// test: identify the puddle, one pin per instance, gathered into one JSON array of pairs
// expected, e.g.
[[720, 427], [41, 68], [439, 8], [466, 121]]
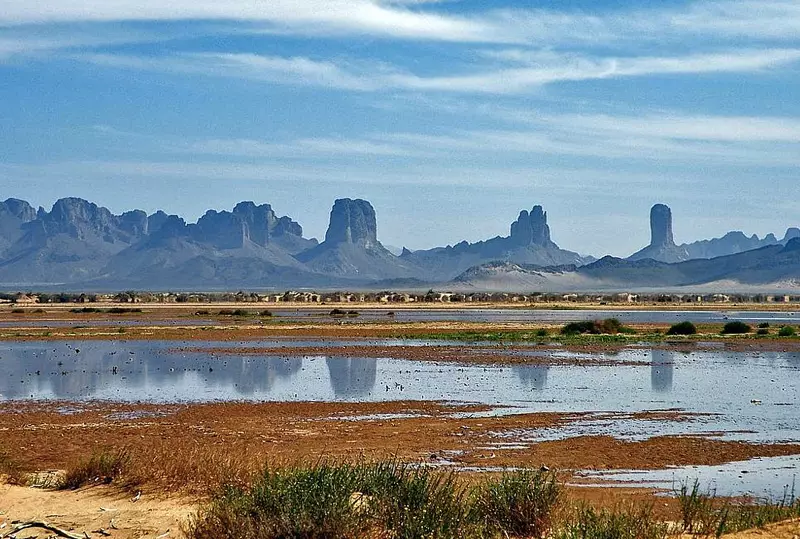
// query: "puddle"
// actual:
[[767, 477]]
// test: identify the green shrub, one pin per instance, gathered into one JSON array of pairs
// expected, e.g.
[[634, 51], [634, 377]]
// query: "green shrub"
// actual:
[[265, 312], [736, 327], [518, 504], [595, 327], [18, 311], [541, 332], [337, 312], [787, 331], [240, 312], [763, 325], [682, 328], [762, 331], [225, 312]]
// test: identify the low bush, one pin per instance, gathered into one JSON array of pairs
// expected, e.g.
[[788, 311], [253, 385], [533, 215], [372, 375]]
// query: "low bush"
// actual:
[[265, 312], [103, 467], [763, 325], [337, 312], [736, 327], [762, 331], [240, 312], [18, 311], [541, 333], [787, 331], [609, 326], [225, 312], [682, 328]]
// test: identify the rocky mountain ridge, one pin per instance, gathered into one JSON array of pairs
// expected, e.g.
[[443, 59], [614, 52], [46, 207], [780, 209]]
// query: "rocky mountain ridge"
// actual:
[[79, 244]]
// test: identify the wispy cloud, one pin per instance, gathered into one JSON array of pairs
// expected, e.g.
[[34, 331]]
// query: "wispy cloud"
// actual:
[[668, 138], [373, 76]]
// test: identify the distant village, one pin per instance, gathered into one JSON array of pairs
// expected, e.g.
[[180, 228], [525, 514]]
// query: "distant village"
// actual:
[[389, 297]]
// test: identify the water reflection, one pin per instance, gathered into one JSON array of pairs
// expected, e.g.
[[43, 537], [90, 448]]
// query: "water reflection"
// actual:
[[534, 376], [67, 371], [662, 367], [352, 377]]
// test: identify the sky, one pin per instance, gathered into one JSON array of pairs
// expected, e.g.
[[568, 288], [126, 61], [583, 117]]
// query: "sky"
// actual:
[[450, 116]]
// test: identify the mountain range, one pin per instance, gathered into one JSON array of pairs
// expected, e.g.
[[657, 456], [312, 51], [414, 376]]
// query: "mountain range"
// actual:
[[80, 245]]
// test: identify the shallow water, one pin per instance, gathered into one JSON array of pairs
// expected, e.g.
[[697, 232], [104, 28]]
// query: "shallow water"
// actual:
[[749, 396], [766, 477]]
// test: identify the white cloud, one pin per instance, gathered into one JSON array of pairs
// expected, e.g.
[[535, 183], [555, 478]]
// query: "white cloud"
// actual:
[[301, 16], [416, 19]]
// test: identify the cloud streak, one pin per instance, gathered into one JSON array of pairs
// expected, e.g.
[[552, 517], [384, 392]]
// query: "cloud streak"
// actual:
[[375, 76]]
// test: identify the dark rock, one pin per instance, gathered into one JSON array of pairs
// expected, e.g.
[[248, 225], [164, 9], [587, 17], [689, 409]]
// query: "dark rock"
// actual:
[[222, 230], [662, 243], [19, 209], [531, 228], [352, 221], [156, 221], [661, 226]]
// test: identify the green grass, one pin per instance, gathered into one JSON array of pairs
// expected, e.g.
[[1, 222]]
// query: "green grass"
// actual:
[[518, 504], [384, 499], [705, 514], [621, 523]]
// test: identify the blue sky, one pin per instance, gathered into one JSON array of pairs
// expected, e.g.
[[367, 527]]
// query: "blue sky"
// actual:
[[449, 116]]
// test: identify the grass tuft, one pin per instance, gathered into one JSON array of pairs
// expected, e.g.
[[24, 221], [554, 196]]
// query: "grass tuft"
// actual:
[[519, 504], [101, 468], [622, 523], [705, 514]]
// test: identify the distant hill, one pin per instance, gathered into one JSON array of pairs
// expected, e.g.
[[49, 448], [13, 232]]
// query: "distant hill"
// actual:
[[528, 243], [79, 245], [775, 267], [662, 245]]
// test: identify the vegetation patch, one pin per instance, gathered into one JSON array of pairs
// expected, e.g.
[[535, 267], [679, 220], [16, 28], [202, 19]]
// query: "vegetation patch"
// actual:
[[787, 331], [609, 326], [634, 522], [383, 499], [736, 328], [101, 468], [704, 514], [682, 328]]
